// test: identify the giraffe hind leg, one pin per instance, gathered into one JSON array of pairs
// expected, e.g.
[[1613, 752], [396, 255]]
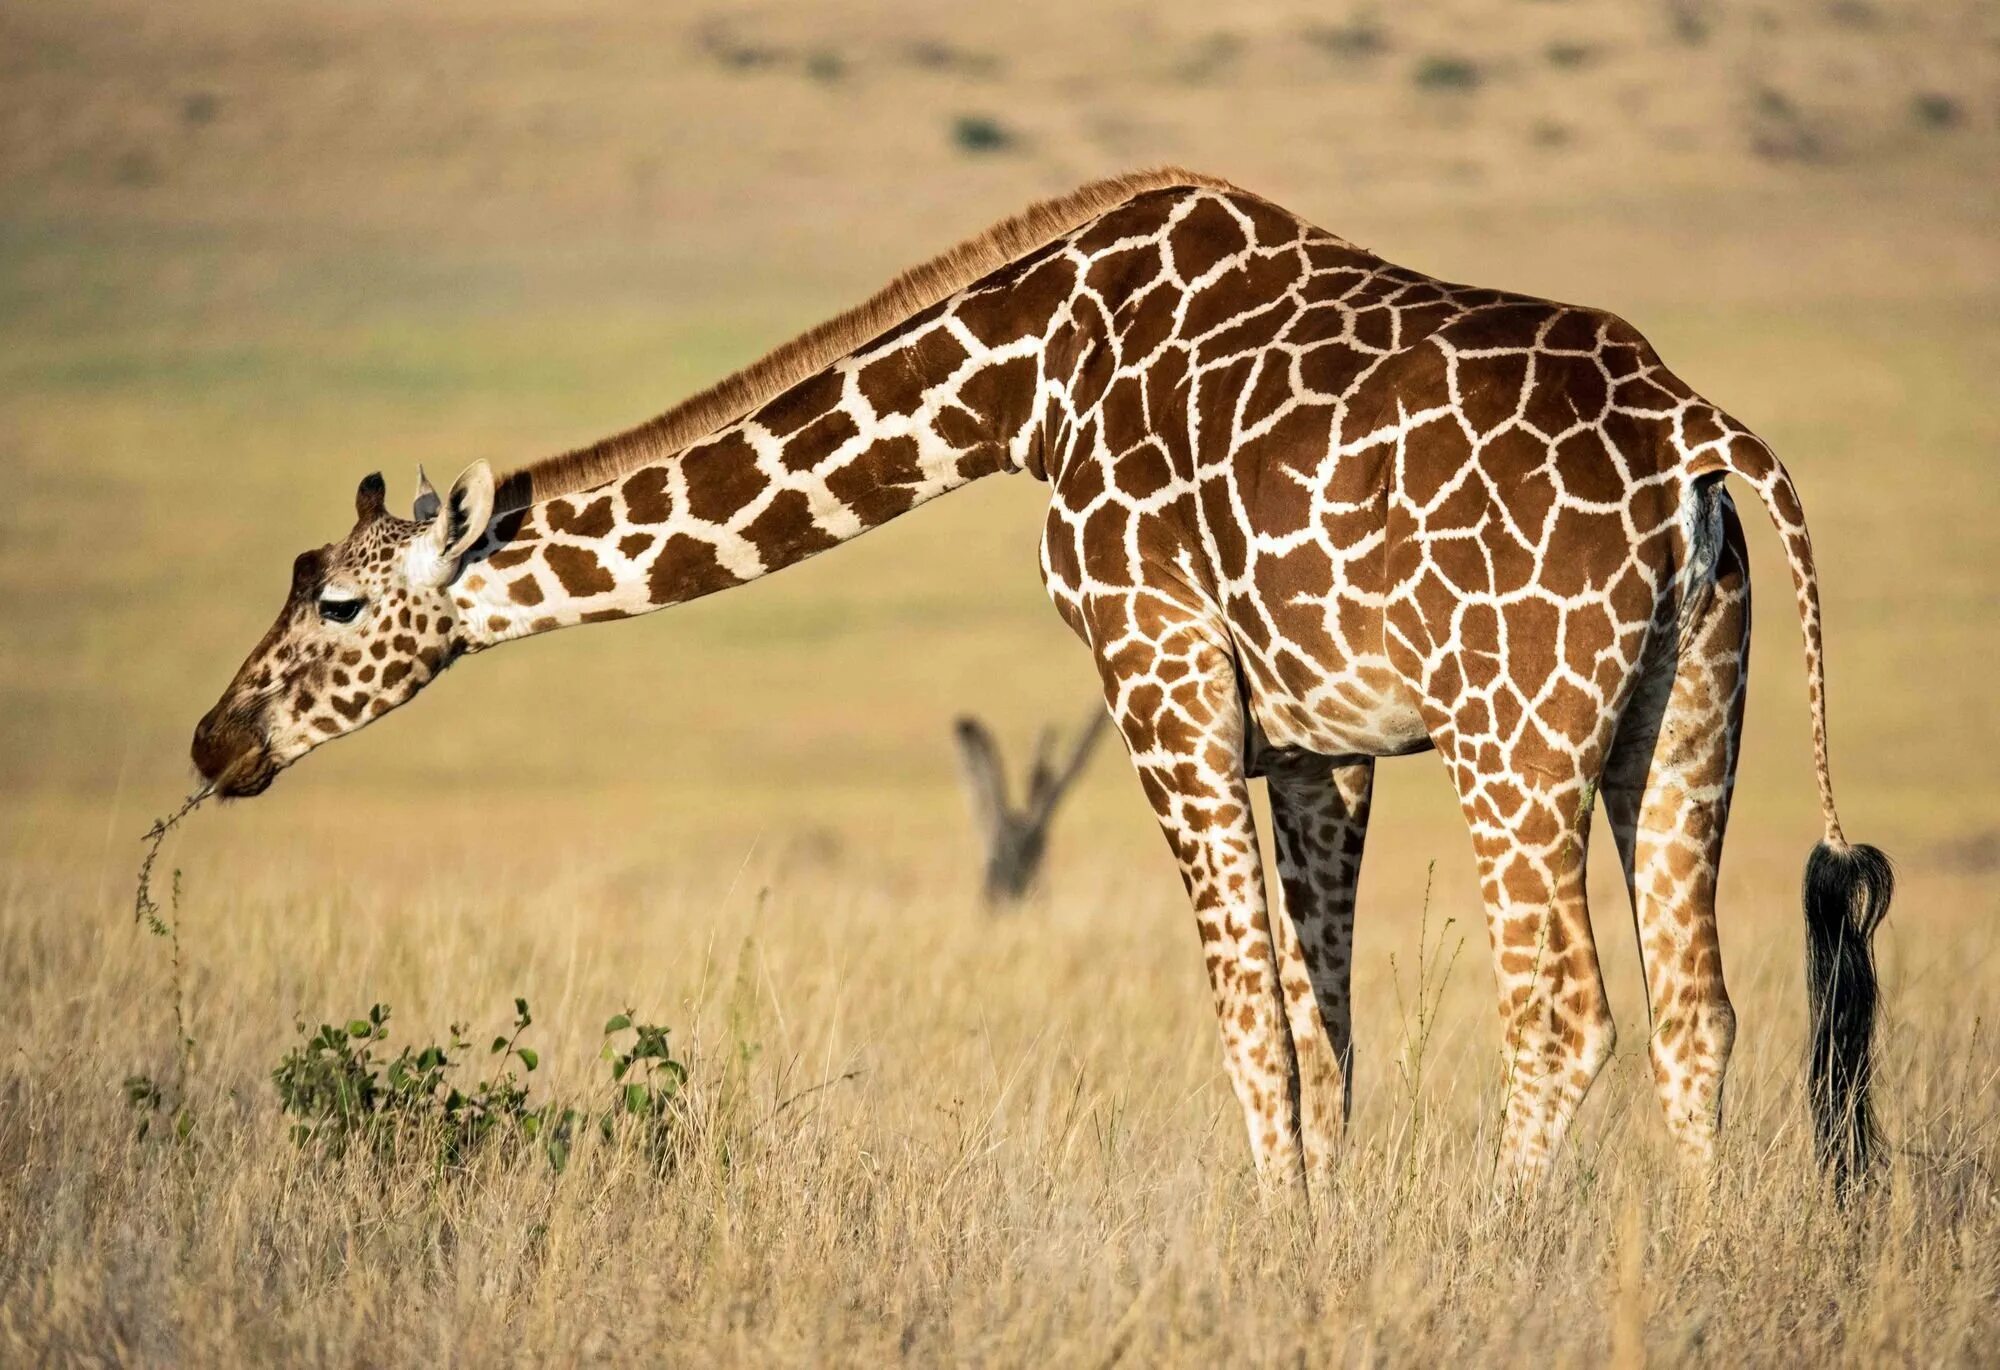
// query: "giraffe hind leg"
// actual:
[[1666, 792], [1526, 789], [1557, 1028]]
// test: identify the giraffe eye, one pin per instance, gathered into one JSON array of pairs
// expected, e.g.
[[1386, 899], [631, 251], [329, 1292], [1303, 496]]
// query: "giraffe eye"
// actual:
[[340, 610]]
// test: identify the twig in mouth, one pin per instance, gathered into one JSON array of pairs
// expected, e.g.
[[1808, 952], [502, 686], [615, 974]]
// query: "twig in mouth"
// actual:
[[143, 905]]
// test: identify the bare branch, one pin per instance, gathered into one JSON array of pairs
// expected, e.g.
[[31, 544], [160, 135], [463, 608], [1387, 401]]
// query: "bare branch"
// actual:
[[1079, 757], [985, 782]]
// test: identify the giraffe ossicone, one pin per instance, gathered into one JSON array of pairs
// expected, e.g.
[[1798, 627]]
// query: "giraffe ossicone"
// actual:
[[1307, 509]]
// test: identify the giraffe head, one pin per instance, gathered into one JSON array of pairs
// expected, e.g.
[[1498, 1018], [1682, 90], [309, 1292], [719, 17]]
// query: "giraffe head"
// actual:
[[368, 622]]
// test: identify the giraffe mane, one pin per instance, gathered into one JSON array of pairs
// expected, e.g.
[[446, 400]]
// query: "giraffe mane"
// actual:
[[812, 351]]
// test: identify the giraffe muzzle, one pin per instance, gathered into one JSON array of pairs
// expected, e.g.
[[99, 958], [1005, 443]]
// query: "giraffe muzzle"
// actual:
[[231, 755]]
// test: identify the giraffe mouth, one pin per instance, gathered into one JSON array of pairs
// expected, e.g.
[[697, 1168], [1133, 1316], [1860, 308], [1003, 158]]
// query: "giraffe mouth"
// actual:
[[250, 774]]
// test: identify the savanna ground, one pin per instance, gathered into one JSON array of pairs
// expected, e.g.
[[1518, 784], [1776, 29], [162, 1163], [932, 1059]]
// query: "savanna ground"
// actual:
[[249, 253]]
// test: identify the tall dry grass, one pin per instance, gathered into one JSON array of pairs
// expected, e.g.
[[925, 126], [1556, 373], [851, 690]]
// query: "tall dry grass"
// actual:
[[917, 1133]]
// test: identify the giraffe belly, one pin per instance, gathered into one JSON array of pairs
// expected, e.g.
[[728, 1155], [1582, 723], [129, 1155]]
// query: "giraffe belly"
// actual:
[[1363, 708]]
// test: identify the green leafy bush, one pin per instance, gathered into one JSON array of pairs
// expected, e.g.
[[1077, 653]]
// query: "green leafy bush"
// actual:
[[647, 1083], [343, 1090]]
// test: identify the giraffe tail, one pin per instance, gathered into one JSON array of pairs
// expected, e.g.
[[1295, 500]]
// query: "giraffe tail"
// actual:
[[1847, 887]]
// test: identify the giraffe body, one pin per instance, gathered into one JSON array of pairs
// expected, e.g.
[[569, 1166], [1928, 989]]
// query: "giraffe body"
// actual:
[[1308, 509]]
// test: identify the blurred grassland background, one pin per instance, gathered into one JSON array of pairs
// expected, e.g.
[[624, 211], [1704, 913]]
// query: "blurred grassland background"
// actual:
[[250, 253]]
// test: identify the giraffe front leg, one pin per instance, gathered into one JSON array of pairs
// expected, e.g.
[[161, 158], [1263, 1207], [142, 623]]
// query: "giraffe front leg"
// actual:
[[1319, 813], [1171, 686]]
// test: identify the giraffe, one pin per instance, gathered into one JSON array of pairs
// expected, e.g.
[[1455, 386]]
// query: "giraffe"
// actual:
[[1307, 510]]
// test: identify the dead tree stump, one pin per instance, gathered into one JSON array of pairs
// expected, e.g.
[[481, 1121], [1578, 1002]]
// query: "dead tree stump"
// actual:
[[1016, 839]]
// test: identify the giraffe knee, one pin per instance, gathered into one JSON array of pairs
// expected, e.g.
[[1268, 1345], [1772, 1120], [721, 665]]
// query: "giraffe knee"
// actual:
[[1563, 1040]]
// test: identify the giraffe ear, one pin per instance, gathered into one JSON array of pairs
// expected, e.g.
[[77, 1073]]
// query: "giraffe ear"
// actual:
[[458, 523], [368, 498], [426, 507]]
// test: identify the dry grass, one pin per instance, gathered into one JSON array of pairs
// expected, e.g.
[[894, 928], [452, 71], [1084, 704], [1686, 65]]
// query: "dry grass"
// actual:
[[1035, 1162], [247, 255]]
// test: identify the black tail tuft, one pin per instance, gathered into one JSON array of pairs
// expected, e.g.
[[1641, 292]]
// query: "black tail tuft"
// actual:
[[1847, 892]]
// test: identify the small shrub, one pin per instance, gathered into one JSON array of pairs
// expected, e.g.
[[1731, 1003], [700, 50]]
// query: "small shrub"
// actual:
[[1353, 39], [1447, 73], [149, 1100], [930, 54], [825, 66], [1689, 21], [737, 54], [136, 167], [1570, 55], [1780, 130], [1775, 104], [1933, 110], [344, 1092], [646, 1083], [977, 133]]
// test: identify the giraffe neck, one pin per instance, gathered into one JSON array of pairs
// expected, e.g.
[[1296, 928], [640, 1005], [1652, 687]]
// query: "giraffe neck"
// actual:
[[930, 407]]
